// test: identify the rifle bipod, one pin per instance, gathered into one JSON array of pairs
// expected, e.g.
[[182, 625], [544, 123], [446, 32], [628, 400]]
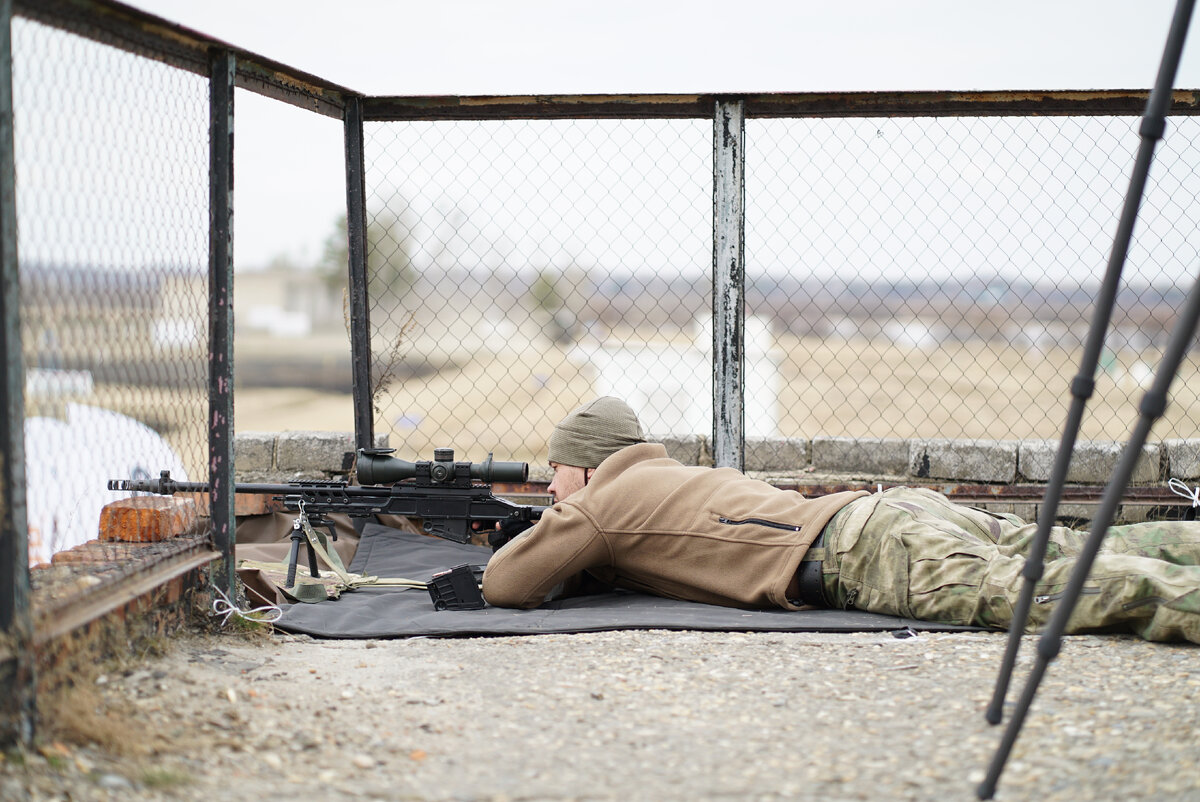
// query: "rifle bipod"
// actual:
[[298, 535]]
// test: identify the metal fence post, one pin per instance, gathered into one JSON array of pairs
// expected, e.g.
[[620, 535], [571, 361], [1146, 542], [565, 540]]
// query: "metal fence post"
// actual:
[[220, 313], [17, 660], [729, 280], [360, 320]]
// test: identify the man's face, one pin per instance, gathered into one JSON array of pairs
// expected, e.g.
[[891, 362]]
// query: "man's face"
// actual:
[[568, 479]]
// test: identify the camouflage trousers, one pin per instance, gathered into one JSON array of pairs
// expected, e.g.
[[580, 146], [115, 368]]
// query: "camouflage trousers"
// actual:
[[912, 552]]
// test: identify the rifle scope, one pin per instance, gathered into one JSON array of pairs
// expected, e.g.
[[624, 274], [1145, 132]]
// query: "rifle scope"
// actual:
[[376, 468]]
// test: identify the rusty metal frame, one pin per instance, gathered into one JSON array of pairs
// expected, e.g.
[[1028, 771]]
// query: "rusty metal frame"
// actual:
[[1156, 497], [153, 37], [729, 283], [145, 34], [1031, 103], [83, 608], [356, 250], [18, 680], [220, 315]]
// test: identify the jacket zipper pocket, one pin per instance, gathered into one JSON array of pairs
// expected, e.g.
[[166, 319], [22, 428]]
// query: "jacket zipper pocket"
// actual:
[[1056, 596], [760, 522]]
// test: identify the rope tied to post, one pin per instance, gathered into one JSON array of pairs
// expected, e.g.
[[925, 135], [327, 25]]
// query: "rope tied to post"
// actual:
[[223, 607], [1181, 489]]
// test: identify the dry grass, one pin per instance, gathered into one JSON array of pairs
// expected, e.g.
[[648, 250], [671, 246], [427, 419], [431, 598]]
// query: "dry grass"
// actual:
[[79, 714], [968, 390], [506, 401], [856, 389]]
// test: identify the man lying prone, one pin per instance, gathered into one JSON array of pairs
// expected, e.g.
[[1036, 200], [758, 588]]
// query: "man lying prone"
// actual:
[[627, 516]]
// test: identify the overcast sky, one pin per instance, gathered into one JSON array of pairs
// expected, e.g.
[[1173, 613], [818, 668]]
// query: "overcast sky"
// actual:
[[463, 47], [544, 46]]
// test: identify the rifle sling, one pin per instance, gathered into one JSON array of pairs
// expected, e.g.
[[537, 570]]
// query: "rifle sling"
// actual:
[[309, 591]]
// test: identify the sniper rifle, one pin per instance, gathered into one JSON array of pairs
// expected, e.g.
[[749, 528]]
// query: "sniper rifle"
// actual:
[[447, 496]]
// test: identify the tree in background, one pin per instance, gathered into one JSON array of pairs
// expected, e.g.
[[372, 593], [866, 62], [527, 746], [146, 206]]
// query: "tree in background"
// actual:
[[390, 247], [561, 296]]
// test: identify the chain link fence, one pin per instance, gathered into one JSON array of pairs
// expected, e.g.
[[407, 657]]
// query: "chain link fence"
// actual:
[[934, 277], [520, 267], [112, 196], [908, 277]]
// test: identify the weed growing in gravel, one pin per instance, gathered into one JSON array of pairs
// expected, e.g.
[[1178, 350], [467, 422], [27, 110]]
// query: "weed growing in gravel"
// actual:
[[80, 715], [245, 626], [163, 778]]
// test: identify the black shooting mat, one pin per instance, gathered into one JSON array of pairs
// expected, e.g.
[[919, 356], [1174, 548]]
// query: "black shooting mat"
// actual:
[[399, 613]]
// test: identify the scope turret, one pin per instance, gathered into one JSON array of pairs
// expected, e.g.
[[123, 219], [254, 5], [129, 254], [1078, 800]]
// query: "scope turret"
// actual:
[[374, 467]]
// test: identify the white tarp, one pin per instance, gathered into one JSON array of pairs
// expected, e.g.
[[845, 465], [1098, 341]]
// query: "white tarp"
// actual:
[[68, 463]]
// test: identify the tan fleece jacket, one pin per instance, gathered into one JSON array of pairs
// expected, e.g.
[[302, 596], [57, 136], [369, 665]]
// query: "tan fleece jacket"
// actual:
[[647, 523]]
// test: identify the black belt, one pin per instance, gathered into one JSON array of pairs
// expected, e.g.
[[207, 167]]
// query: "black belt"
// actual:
[[809, 577]]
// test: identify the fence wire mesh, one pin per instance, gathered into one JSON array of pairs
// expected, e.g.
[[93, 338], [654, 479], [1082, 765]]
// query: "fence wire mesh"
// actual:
[[519, 268], [905, 277], [931, 278], [112, 199]]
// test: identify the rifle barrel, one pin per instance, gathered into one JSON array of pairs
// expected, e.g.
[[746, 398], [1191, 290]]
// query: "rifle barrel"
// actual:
[[166, 486]]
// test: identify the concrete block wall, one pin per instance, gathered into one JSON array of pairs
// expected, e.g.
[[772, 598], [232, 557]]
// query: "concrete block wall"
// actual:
[[933, 462], [317, 455], [981, 461], [294, 456]]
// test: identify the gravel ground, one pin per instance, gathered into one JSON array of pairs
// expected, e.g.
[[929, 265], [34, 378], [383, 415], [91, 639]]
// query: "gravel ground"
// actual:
[[637, 715]]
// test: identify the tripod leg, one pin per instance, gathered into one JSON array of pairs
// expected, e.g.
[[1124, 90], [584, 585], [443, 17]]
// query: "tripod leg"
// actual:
[[1151, 130], [1153, 404], [1035, 559]]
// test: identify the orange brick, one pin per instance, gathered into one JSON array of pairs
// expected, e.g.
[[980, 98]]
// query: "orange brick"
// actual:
[[146, 518], [75, 555]]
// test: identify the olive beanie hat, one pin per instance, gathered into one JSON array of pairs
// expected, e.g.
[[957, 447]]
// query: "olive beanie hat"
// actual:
[[594, 431]]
